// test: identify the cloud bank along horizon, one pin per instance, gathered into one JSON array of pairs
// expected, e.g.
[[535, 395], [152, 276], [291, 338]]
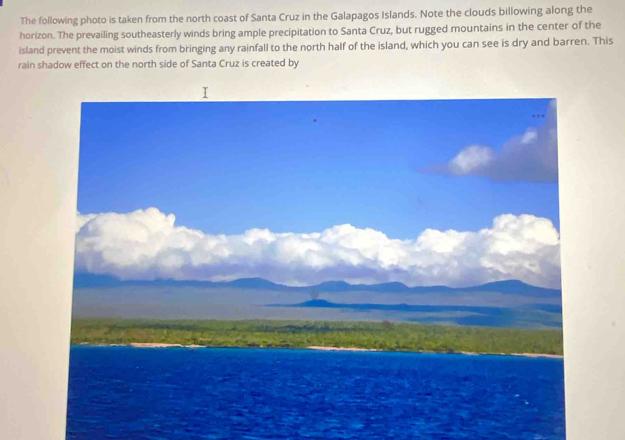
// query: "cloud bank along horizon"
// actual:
[[147, 244]]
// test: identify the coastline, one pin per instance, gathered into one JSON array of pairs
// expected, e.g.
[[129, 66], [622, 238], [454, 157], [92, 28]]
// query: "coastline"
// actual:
[[323, 348]]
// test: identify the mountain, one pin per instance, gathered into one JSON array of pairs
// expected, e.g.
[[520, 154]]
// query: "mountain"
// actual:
[[321, 303], [512, 287], [394, 287], [312, 303], [87, 280], [333, 286], [255, 283], [530, 315]]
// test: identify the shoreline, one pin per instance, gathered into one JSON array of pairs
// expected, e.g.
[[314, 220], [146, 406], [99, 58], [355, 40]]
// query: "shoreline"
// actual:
[[322, 348]]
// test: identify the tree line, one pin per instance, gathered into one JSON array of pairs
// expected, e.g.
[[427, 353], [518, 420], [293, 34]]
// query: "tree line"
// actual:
[[385, 335]]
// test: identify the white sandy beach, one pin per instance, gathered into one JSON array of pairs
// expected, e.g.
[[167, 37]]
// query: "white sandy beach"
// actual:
[[316, 347], [161, 345]]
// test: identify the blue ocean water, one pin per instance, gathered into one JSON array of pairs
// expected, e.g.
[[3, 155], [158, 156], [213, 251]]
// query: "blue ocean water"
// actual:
[[182, 393]]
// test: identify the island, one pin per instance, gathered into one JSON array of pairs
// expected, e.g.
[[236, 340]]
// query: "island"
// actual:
[[329, 335]]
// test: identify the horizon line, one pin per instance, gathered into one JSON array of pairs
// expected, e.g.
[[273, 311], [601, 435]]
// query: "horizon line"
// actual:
[[309, 286]]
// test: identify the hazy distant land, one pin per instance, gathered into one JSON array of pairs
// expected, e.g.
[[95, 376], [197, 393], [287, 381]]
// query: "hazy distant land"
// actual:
[[500, 304]]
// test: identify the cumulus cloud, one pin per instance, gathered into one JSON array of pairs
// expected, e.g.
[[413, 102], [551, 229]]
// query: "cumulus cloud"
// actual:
[[147, 244], [532, 156]]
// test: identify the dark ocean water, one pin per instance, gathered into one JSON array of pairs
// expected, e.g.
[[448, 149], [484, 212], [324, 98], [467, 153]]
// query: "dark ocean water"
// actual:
[[181, 393]]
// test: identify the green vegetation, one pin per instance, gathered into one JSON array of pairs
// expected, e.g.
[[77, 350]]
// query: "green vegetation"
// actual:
[[299, 334]]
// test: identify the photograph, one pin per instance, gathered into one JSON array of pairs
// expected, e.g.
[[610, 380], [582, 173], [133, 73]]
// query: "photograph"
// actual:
[[317, 270]]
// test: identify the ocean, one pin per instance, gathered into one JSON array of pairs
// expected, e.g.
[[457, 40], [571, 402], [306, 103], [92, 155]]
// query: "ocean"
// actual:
[[221, 393]]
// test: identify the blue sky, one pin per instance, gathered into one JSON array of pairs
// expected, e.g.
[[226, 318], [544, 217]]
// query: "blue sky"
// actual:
[[228, 167]]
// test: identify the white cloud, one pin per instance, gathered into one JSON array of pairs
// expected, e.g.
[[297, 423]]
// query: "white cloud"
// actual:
[[532, 156], [471, 159], [146, 244]]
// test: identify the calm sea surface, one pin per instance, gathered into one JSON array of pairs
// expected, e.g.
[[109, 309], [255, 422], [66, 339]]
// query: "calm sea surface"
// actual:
[[181, 393]]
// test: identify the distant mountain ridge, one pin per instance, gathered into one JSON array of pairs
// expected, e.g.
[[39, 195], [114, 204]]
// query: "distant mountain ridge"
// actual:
[[512, 287]]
